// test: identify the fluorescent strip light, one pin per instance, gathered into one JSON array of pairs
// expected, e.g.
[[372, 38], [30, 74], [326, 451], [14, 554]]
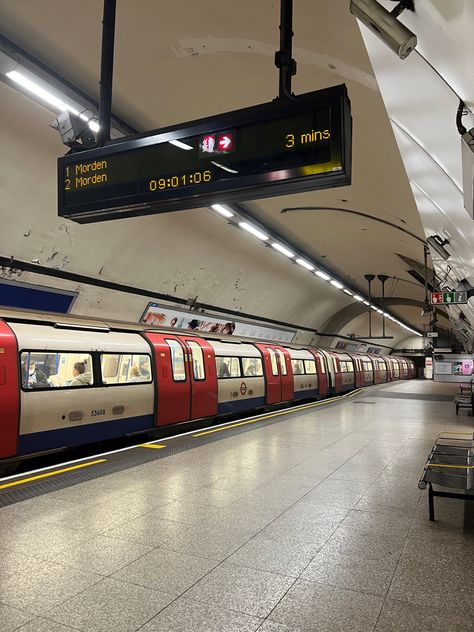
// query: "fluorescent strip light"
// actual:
[[283, 249], [374, 308], [253, 231], [323, 275], [366, 303], [222, 210], [218, 164], [36, 89], [358, 298], [94, 126], [180, 144], [348, 293], [336, 284], [379, 311], [305, 264]]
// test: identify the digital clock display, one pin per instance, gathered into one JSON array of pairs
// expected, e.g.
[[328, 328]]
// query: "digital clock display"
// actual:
[[272, 149]]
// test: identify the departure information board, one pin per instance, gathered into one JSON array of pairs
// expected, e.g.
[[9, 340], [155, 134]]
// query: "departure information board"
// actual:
[[278, 148]]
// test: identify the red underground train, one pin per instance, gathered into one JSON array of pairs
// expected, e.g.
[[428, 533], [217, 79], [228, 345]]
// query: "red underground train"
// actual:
[[67, 381]]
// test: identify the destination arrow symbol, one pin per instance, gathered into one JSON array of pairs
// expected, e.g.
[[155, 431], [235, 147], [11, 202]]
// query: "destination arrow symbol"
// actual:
[[224, 142]]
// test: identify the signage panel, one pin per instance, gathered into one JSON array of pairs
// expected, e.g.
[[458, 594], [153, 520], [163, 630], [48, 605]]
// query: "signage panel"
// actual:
[[432, 334], [448, 298], [286, 146]]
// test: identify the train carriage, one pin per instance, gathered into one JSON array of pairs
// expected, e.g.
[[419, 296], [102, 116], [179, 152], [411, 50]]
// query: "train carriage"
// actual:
[[75, 380]]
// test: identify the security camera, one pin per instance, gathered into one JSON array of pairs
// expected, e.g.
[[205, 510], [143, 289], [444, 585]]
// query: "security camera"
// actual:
[[438, 245], [385, 24]]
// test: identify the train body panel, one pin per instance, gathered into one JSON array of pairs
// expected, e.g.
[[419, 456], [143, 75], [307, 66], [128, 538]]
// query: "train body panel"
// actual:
[[9, 392], [240, 379], [64, 386]]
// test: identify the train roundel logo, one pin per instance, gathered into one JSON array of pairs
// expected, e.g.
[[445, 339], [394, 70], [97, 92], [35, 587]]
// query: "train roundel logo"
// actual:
[[243, 388]]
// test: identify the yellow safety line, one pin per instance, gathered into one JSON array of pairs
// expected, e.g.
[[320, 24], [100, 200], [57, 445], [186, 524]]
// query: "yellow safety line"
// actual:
[[48, 474], [277, 414], [156, 446], [456, 467]]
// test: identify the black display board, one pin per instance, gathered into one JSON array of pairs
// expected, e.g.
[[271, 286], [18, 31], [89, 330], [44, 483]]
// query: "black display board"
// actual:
[[278, 148]]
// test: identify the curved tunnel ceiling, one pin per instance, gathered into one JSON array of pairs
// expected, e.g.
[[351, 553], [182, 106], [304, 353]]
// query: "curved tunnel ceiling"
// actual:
[[179, 61]]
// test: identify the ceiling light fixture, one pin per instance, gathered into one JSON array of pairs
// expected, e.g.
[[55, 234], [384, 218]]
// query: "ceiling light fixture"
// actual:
[[180, 144], [358, 298], [253, 230], [348, 292], [322, 275], [305, 264], [222, 210], [283, 249], [336, 284]]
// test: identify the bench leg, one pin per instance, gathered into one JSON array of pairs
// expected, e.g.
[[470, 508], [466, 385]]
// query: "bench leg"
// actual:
[[431, 502]]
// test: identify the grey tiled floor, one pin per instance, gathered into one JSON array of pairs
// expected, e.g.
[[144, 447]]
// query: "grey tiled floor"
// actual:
[[311, 524]]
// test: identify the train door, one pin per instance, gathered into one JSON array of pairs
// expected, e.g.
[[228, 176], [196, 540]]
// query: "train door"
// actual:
[[321, 367], [286, 373], [273, 381], [172, 379], [202, 375], [9, 392], [337, 373], [358, 369]]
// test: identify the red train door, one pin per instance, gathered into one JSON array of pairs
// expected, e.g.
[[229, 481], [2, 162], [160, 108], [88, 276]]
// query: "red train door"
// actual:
[[323, 386], [278, 373], [172, 379], [272, 374], [286, 373], [358, 370], [338, 374], [9, 392], [203, 378]]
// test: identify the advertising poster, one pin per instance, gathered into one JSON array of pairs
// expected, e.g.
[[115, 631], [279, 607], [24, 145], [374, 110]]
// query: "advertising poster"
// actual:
[[457, 368], [158, 316], [467, 367]]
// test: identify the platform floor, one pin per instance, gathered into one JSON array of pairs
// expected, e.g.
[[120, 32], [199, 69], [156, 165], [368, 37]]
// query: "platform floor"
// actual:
[[310, 522]]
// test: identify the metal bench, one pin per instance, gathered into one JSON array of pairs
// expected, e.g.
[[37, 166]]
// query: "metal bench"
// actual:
[[450, 464], [464, 401]]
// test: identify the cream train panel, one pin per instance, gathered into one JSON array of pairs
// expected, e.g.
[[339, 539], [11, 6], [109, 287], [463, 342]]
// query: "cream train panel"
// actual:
[[49, 338], [59, 408], [232, 389], [303, 382]]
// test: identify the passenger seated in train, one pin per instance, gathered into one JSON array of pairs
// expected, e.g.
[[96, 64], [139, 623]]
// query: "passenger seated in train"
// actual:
[[144, 370], [81, 377], [34, 377], [135, 375], [224, 370]]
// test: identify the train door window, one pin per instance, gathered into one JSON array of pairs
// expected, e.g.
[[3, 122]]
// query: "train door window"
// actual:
[[198, 360], [177, 360], [343, 366], [322, 364], [350, 366], [310, 367], [298, 367], [252, 367], [273, 361], [40, 370], [281, 357], [226, 366], [125, 368]]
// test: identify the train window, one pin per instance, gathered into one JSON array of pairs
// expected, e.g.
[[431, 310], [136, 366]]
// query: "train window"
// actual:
[[343, 366], [298, 367], [125, 368], [350, 366], [322, 365], [252, 367], [273, 361], [310, 367], [281, 357], [177, 360], [198, 360], [227, 367], [55, 370]]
